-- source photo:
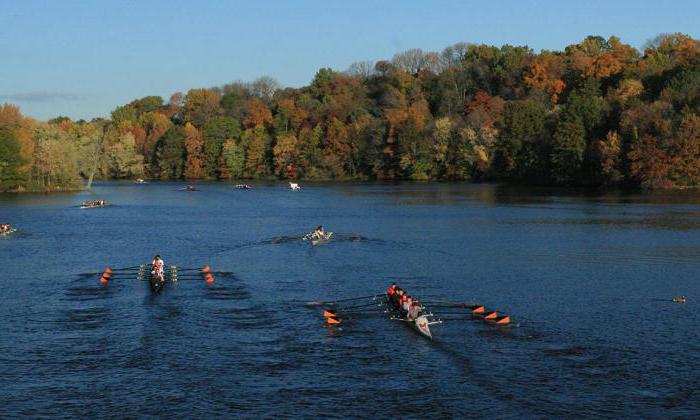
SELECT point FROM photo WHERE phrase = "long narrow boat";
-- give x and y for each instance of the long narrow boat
(157, 282)
(421, 323)
(8, 230)
(91, 204)
(315, 240)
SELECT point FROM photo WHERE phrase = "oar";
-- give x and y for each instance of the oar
(335, 302)
(446, 303)
(343, 309)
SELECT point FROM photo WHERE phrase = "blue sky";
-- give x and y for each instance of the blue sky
(83, 58)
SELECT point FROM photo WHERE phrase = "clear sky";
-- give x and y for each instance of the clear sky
(83, 58)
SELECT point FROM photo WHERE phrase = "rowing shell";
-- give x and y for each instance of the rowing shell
(315, 240)
(421, 324)
(7, 232)
(157, 282)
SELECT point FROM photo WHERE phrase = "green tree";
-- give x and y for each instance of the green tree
(233, 157)
(568, 147)
(11, 161)
(170, 154)
(215, 131)
(122, 158)
(523, 142)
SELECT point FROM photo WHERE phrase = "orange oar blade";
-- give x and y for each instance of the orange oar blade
(491, 315)
(332, 320)
(328, 313)
(206, 269)
(503, 320)
(479, 310)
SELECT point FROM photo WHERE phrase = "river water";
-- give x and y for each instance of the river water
(588, 280)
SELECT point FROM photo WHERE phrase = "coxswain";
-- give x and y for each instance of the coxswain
(158, 265)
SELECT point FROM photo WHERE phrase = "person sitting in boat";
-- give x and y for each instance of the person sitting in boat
(158, 266)
(413, 310)
(406, 305)
(397, 296)
(318, 233)
(4, 227)
(391, 290)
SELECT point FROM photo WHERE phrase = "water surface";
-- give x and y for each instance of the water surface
(587, 278)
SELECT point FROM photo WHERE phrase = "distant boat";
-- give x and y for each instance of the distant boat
(242, 186)
(140, 181)
(91, 204)
(6, 229)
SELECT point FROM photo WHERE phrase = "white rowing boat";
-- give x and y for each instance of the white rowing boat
(421, 323)
(317, 239)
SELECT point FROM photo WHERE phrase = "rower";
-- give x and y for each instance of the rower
(318, 233)
(413, 310)
(406, 305)
(158, 265)
(391, 290)
(396, 296)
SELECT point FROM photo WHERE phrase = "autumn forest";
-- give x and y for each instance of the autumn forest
(598, 113)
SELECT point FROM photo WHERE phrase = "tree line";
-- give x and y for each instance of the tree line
(598, 113)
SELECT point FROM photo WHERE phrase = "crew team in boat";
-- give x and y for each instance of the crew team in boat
(406, 305)
(93, 203)
(6, 229)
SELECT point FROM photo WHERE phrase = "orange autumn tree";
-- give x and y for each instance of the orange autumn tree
(545, 73)
(194, 163)
(256, 114)
(285, 154)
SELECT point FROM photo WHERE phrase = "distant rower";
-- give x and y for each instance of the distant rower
(158, 265)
